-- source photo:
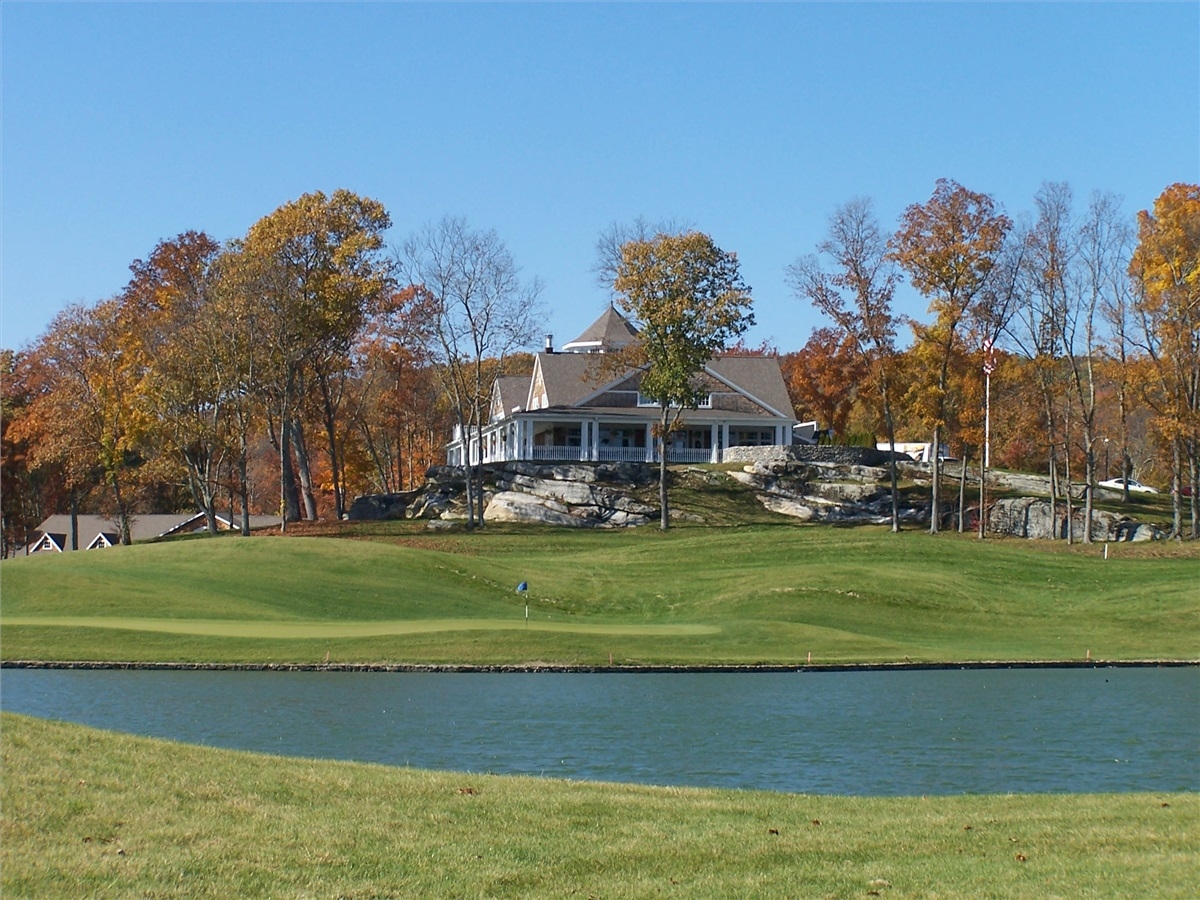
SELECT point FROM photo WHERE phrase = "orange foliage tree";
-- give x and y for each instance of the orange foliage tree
(949, 246)
(1166, 272)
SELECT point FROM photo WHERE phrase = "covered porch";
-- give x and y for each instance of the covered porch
(596, 439)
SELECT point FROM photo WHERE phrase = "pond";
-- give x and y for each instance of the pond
(858, 733)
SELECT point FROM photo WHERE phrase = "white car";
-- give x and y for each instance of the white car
(1135, 487)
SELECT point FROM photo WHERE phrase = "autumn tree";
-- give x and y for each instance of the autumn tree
(856, 294)
(949, 247)
(22, 484)
(396, 410)
(315, 263)
(687, 298)
(822, 377)
(182, 384)
(90, 425)
(483, 313)
(1166, 272)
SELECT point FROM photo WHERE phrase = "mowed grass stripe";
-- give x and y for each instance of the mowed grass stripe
(327, 630)
(748, 595)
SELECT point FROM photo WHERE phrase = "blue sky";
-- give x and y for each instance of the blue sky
(124, 124)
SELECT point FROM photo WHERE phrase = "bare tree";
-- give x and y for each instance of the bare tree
(1072, 273)
(484, 312)
(857, 296)
(1103, 238)
(613, 238)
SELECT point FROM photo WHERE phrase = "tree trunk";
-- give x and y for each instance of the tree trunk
(122, 512)
(1193, 472)
(1069, 498)
(201, 488)
(664, 521)
(1053, 495)
(983, 496)
(289, 500)
(465, 429)
(1089, 467)
(244, 491)
(934, 512)
(335, 461)
(303, 469)
(1176, 490)
(74, 521)
(479, 474)
(890, 424)
(962, 493)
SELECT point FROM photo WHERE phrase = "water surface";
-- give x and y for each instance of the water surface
(865, 733)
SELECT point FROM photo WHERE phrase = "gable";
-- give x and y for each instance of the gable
(758, 379)
(49, 541)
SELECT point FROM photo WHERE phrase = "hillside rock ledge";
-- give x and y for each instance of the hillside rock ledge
(624, 495)
(1028, 517)
(825, 492)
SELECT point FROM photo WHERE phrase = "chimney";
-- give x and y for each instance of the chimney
(549, 343)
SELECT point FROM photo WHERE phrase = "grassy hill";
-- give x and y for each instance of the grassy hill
(764, 593)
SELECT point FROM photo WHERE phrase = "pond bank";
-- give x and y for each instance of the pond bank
(527, 668)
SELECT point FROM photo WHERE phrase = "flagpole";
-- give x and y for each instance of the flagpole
(989, 364)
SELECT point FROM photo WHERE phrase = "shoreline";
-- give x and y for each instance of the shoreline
(533, 668)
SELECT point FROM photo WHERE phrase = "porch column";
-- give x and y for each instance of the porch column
(649, 442)
(724, 436)
(595, 439)
(715, 441)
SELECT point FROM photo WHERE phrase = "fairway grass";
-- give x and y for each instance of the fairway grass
(754, 595)
(341, 629)
(88, 813)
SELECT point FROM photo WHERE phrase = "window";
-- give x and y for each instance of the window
(705, 401)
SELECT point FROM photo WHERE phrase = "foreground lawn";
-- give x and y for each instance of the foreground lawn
(93, 814)
(736, 595)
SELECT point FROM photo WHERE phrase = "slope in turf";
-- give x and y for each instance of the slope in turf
(698, 596)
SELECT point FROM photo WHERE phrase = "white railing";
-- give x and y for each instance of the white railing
(685, 455)
(558, 454)
(603, 454)
(622, 454)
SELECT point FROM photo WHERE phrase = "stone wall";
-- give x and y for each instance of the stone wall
(845, 456)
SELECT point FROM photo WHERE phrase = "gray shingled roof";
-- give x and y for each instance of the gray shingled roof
(141, 528)
(513, 391)
(758, 376)
(572, 377)
(611, 331)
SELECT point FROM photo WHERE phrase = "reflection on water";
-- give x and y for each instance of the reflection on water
(867, 733)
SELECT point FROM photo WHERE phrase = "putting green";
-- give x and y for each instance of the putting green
(325, 630)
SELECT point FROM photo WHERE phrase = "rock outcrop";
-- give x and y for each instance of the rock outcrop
(382, 506)
(825, 491)
(569, 495)
(1028, 517)
(621, 495)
